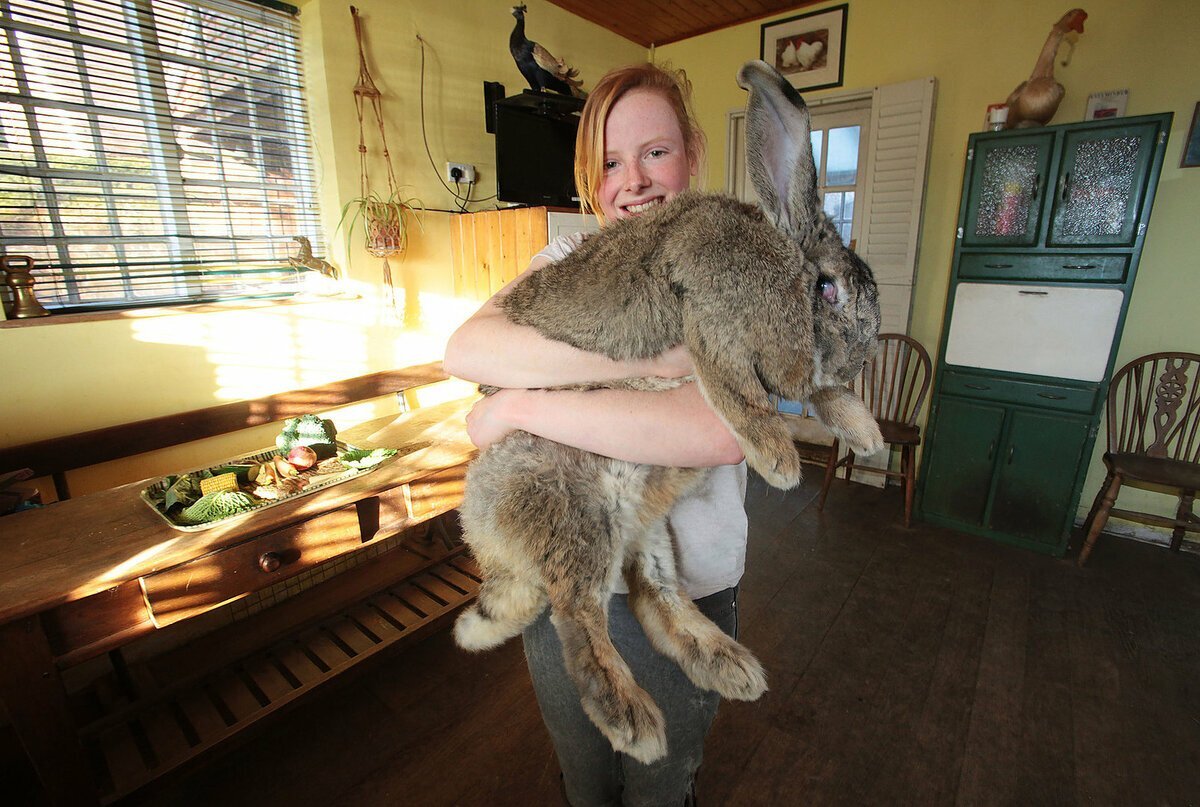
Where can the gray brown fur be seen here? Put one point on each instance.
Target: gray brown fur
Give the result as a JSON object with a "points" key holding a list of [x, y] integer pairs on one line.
{"points": [[741, 287]]}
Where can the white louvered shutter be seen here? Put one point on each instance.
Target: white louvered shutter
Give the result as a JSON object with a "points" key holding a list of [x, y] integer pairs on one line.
{"points": [[897, 167]]}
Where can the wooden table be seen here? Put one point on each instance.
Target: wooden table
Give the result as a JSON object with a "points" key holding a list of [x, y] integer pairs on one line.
{"points": [[86, 576]]}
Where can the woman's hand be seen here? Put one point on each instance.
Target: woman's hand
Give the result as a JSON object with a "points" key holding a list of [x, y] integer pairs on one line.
{"points": [[487, 422]]}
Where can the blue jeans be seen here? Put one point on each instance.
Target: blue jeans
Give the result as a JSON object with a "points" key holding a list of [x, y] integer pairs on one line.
{"points": [[593, 773]]}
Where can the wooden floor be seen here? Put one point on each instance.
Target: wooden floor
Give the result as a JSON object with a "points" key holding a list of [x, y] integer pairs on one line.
{"points": [[916, 667]]}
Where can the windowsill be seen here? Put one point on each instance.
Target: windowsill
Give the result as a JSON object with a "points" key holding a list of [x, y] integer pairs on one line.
{"points": [[175, 310]]}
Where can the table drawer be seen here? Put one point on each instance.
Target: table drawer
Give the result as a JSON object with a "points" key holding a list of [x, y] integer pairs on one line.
{"points": [[210, 581], [998, 266], [438, 492], [1029, 393]]}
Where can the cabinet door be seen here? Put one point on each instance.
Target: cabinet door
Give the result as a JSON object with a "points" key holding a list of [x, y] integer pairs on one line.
{"points": [[1037, 469], [1008, 185], [962, 452], [1100, 186]]}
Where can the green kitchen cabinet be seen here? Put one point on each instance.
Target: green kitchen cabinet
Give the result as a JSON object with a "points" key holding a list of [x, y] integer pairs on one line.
{"points": [[1052, 223], [958, 482]]}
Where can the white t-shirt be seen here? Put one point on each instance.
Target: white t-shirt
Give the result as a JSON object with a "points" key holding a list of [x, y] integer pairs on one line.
{"points": [[710, 524]]}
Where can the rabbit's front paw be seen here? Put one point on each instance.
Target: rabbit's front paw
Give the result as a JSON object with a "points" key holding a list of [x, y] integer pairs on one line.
{"points": [[780, 468], [861, 435]]}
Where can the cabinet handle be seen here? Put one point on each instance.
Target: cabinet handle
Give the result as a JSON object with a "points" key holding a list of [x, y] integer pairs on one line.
{"points": [[997, 266], [1037, 185], [270, 561], [1028, 293], [991, 449], [1052, 396], [1079, 266], [1012, 450], [976, 386], [1063, 184]]}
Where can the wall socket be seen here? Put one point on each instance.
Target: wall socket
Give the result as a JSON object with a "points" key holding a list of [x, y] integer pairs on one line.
{"points": [[465, 171]]}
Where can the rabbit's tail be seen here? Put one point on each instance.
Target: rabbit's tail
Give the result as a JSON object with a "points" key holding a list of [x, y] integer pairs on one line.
{"points": [[677, 629], [506, 605], [622, 710]]}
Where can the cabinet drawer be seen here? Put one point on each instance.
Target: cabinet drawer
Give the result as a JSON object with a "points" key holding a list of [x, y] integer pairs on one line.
{"points": [[205, 583], [996, 266], [1028, 393]]}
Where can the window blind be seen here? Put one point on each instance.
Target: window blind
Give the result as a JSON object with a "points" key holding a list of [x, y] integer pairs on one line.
{"points": [[153, 151]]}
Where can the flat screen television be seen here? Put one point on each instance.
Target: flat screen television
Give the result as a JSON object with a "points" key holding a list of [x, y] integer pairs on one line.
{"points": [[535, 149]]}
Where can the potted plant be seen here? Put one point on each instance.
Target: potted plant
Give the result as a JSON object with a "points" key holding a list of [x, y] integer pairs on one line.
{"points": [[384, 220]]}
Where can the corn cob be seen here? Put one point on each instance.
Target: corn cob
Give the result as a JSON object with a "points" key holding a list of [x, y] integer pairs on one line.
{"points": [[222, 483]]}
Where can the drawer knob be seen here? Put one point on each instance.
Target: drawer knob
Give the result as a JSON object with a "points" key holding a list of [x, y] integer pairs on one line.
{"points": [[270, 561]]}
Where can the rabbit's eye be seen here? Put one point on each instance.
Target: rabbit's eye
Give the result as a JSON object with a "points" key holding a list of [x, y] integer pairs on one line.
{"points": [[827, 289]]}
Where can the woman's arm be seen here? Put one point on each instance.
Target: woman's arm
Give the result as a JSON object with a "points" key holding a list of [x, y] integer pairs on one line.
{"points": [[675, 427], [489, 349]]}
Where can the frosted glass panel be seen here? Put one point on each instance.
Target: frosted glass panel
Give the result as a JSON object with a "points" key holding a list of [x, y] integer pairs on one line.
{"points": [[1006, 192], [1098, 191], [1042, 330], [842, 168]]}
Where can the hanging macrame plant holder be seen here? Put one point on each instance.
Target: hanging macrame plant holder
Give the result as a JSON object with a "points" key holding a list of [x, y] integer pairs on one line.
{"points": [[383, 217]]}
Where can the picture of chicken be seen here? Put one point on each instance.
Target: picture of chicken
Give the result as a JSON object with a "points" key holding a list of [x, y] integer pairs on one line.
{"points": [[799, 53], [1034, 102]]}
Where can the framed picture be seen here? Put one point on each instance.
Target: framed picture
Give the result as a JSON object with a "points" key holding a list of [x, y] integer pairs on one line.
{"points": [[1191, 148], [1103, 105], [810, 50]]}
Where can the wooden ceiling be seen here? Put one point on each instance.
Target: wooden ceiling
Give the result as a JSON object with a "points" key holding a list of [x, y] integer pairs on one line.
{"points": [[658, 22]]}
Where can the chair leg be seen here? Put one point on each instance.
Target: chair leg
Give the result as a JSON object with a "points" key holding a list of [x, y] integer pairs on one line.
{"points": [[830, 471], [1108, 497], [1182, 515], [906, 467], [849, 464]]}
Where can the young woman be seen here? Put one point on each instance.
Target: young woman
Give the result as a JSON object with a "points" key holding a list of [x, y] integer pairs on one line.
{"points": [[638, 146]]}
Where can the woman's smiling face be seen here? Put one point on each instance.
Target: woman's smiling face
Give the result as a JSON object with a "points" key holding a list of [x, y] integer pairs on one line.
{"points": [[645, 157]]}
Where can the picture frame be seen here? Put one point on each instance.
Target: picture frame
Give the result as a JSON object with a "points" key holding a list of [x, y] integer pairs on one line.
{"points": [[808, 49], [1191, 146]]}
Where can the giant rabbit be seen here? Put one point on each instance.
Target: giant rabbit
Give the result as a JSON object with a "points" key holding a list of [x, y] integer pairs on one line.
{"points": [[768, 302]]}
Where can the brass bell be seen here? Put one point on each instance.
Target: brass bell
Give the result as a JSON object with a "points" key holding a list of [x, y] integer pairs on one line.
{"points": [[18, 270]]}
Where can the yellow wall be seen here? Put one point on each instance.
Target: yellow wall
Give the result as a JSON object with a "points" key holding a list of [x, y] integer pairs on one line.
{"points": [[979, 51], [61, 376]]}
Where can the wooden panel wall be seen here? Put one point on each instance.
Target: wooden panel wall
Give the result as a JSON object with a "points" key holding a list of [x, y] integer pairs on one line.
{"points": [[492, 247]]}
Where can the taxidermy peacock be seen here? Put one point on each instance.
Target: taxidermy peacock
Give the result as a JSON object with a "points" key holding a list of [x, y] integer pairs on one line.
{"points": [[1034, 102], [538, 65]]}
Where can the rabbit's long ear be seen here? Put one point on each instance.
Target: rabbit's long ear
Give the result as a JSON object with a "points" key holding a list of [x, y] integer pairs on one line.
{"points": [[779, 150]]}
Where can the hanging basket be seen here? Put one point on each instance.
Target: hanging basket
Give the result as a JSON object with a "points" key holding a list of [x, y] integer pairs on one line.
{"points": [[387, 234]]}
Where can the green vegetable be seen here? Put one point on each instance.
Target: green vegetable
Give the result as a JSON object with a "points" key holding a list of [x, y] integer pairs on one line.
{"points": [[215, 506], [308, 430], [183, 490], [365, 457]]}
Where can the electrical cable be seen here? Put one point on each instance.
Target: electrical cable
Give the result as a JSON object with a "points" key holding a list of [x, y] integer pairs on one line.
{"points": [[461, 202]]}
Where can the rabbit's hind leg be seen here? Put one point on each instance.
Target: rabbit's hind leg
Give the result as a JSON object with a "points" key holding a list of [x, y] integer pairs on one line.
{"points": [[506, 605], [622, 710], [677, 628]]}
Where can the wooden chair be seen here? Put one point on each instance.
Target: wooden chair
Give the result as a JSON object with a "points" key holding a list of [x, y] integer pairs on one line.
{"points": [[893, 385], [1153, 442]]}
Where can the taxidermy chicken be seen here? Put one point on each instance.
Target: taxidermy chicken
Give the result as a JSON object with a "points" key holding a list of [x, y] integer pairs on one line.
{"points": [[1035, 101], [538, 65]]}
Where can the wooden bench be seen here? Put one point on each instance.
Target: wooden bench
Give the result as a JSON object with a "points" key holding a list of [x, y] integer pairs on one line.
{"points": [[89, 578]]}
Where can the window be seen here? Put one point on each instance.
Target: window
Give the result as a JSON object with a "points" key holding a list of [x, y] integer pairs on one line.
{"points": [[839, 146], [153, 151]]}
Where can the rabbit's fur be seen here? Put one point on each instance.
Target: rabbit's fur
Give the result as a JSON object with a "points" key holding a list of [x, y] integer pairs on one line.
{"points": [[768, 302]]}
